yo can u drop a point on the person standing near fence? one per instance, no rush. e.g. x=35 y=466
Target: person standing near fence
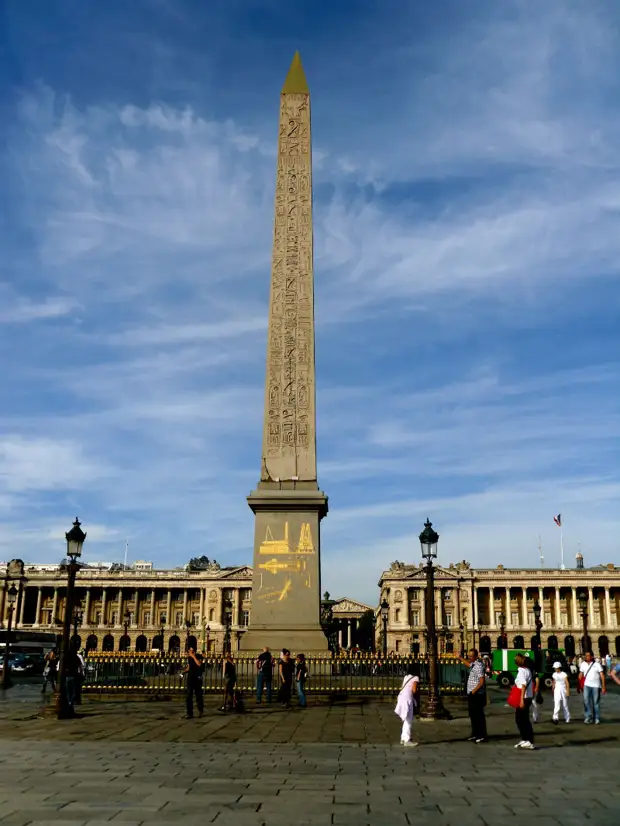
x=476 y=696
x=285 y=671
x=193 y=669
x=230 y=680
x=301 y=674
x=264 y=675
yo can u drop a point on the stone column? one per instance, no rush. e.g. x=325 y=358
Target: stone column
x=169 y=609
x=608 y=608
x=492 y=614
x=55 y=606
x=508 y=609
x=22 y=606
x=524 y=607
x=37 y=616
x=86 y=607
x=476 y=617
x=184 y=605
x=591 y=608
x=104 y=606
x=348 y=633
x=153 y=608
x=339 y=635
x=236 y=606
x=558 y=612
x=201 y=610
x=423 y=607
x=574 y=610
x=541 y=601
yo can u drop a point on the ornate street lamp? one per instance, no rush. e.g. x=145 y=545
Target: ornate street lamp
x=373 y=642
x=327 y=621
x=428 y=542
x=385 y=609
x=207 y=633
x=583 y=606
x=229 y=606
x=502 y=629
x=75 y=539
x=11 y=596
x=538 y=623
x=125 y=640
x=78 y=616
x=188 y=628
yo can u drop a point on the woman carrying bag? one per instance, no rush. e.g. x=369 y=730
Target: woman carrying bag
x=520 y=698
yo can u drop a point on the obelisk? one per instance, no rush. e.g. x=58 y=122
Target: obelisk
x=287 y=502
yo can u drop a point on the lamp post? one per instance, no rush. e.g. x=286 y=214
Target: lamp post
x=385 y=609
x=75 y=539
x=327 y=620
x=583 y=605
x=78 y=616
x=536 y=608
x=11 y=596
x=127 y=620
x=188 y=628
x=373 y=642
x=228 y=605
x=428 y=542
x=207 y=633
x=502 y=626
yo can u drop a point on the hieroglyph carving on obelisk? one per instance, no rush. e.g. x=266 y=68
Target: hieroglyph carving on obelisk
x=289 y=434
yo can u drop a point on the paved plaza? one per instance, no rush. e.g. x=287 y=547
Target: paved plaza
x=139 y=762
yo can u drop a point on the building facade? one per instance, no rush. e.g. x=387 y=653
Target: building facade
x=139 y=609
x=494 y=607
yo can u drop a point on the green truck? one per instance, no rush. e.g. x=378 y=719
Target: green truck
x=504 y=668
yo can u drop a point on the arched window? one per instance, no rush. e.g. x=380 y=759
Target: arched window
x=158 y=642
x=91 y=643
x=211 y=614
x=617 y=646
x=397 y=615
x=108 y=642
x=519 y=642
x=141 y=643
x=586 y=643
x=603 y=646
x=553 y=642
x=191 y=642
x=76 y=641
x=124 y=643
x=174 y=645
x=500 y=643
x=485 y=644
x=569 y=645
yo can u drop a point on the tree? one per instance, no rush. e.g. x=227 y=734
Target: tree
x=199 y=563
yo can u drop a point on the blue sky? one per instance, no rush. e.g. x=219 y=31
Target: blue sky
x=467 y=252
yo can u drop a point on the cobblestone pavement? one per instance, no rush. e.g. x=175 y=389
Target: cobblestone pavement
x=139 y=763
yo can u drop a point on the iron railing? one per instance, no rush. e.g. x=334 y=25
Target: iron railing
x=157 y=674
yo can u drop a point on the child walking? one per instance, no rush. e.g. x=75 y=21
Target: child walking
x=561 y=693
x=405 y=708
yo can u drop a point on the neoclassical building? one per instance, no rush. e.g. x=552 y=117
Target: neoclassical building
x=470 y=605
x=143 y=608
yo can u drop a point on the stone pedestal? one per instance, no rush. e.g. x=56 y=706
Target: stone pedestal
x=286 y=583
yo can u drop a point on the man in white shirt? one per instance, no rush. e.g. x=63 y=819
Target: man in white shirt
x=593 y=686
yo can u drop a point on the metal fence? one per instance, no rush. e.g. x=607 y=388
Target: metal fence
x=154 y=674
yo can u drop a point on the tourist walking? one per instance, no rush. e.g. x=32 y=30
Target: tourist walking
x=301 y=675
x=593 y=675
x=537 y=700
x=79 y=678
x=230 y=680
x=285 y=671
x=406 y=705
x=561 y=693
x=264 y=668
x=524 y=681
x=193 y=669
x=476 y=696
x=50 y=670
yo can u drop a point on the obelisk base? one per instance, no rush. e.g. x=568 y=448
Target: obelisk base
x=286 y=585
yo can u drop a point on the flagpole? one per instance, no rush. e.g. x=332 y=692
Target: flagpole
x=540 y=549
x=125 y=563
x=562 y=566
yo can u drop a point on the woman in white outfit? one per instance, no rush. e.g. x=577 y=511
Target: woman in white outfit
x=561 y=693
x=405 y=707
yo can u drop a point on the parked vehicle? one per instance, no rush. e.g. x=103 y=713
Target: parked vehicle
x=504 y=668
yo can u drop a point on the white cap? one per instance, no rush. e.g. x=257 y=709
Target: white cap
x=557 y=665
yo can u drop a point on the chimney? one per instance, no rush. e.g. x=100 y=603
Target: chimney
x=579 y=559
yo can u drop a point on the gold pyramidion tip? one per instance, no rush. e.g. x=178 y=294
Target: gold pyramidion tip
x=296 y=83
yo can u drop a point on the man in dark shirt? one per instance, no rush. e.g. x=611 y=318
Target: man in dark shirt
x=264 y=666
x=193 y=669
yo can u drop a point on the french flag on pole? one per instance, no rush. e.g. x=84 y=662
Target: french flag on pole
x=558 y=520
